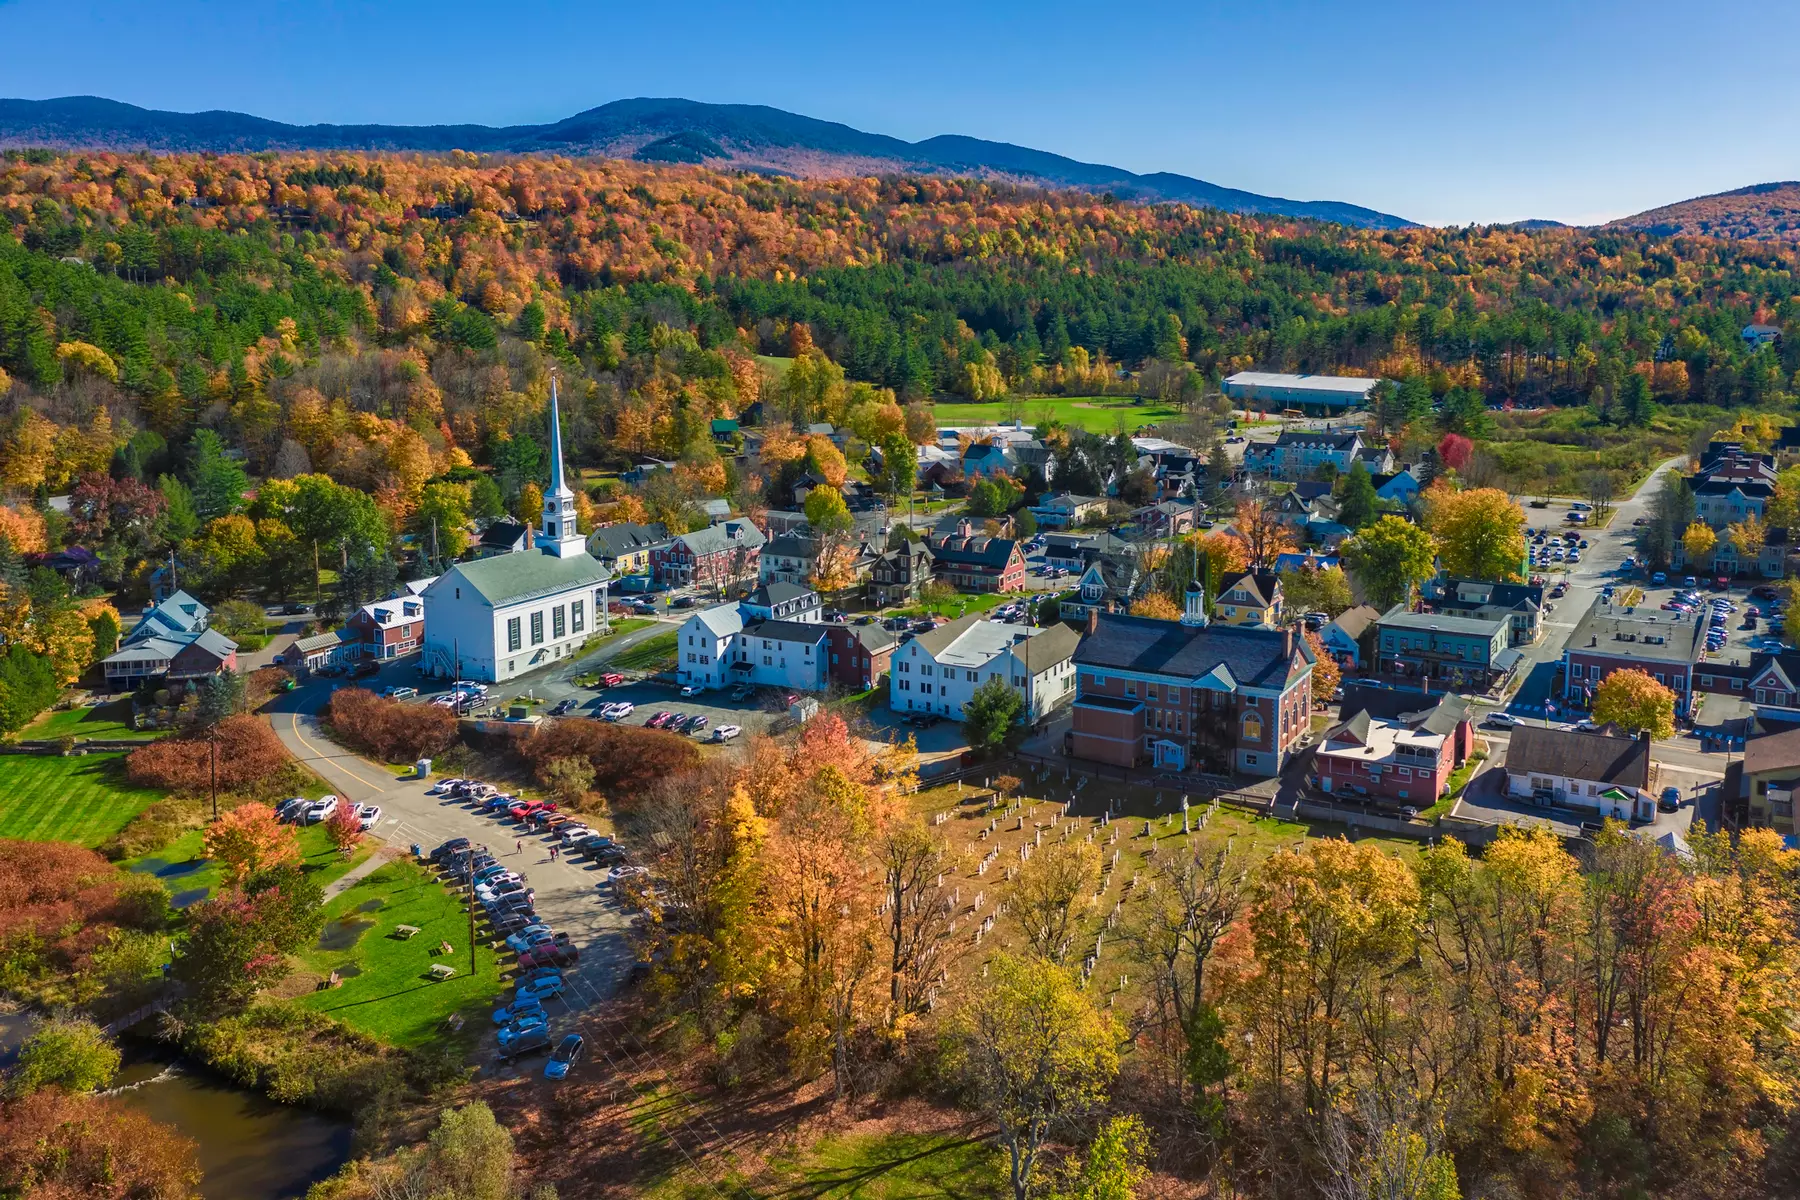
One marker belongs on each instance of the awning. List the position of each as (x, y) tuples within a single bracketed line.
[(1507, 659), (742, 666)]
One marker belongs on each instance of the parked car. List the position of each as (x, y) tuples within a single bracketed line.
[(320, 810), (493, 889), (1670, 800), (573, 832), (534, 934), (542, 990), (519, 1011), (290, 810), (725, 733), (553, 954), (568, 1052), (690, 690), (367, 816), (365, 668), (452, 847), (562, 706), (697, 724), (525, 1040), (1499, 720), (611, 679), (400, 692)]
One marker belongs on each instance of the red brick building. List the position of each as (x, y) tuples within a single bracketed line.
[(1398, 747), (859, 654), (1189, 695), (971, 562), (715, 556), (1664, 645)]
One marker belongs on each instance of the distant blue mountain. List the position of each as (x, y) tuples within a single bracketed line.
[(744, 135)]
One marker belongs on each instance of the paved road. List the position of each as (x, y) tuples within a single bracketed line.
[(567, 897)]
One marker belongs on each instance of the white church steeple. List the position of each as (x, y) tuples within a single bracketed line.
[(559, 534)]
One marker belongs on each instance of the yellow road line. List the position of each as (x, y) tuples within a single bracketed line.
[(314, 750)]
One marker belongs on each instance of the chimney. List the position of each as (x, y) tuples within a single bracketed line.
[(1093, 621), (1288, 637)]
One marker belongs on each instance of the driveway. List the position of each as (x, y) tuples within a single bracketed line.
[(1485, 799)]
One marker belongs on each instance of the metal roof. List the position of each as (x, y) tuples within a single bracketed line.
[(510, 578), (1337, 384)]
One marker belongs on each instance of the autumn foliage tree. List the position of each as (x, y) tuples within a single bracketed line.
[(1634, 701), (1156, 605), (244, 750), (249, 839), (344, 827), (1480, 533), (389, 730)]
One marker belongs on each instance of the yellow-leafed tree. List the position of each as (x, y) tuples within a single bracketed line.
[(1633, 700), (1480, 532)]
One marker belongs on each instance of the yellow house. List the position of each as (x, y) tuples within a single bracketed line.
[(1249, 598), (625, 549)]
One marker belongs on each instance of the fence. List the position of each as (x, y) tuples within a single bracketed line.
[(55, 746)]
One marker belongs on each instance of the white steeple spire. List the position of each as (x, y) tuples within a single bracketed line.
[(559, 535)]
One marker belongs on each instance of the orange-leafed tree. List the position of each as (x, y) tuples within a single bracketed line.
[(1264, 536), (25, 530), (1632, 700), (1326, 673), (249, 839), (1156, 605)]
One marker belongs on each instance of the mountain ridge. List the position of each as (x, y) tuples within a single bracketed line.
[(1762, 212), (748, 135)]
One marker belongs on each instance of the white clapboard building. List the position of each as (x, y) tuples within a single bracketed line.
[(499, 617)]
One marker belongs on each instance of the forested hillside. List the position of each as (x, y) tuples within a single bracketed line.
[(392, 318)]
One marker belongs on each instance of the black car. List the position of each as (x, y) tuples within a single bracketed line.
[(453, 846), (562, 707), (294, 610), (682, 602), (364, 669)]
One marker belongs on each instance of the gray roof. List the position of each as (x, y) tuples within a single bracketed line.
[(1399, 618), (791, 545), (504, 534), (787, 631), (973, 641), (179, 614), (770, 594), (1596, 757), (1339, 384), (1650, 636), (610, 541), (723, 619), (726, 535), (510, 578), (322, 641), (1433, 712), (1249, 656), (1354, 620)]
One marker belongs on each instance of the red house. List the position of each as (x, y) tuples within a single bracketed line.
[(715, 556), (971, 562), (388, 628), (860, 654), (1398, 747)]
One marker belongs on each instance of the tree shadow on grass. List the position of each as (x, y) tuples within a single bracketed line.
[(846, 1181)]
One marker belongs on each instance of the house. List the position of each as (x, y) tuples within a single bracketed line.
[(501, 616), (1249, 598), (1383, 759), (1164, 519), (984, 460), (1606, 771), (789, 558), (716, 556), (1298, 454), (729, 644), (1074, 551), (331, 649), (1401, 487), (1457, 651), (388, 629), (1108, 584), (1760, 335), (1343, 638), (1664, 645), (624, 549), (1519, 603), (896, 576), (1065, 510), (172, 640), (781, 601), (724, 429), (1275, 392), (1189, 694), (860, 654), (938, 672), (972, 563), (1446, 713), (504, 536), (1770, 775)]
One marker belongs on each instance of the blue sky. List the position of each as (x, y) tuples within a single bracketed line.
[(1440, 112)]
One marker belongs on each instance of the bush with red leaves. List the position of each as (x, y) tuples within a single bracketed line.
[(389, 730), (249, 754), (55, 1146), (59, 902), (627, 759)]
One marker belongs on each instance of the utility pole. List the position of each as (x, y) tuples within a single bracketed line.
[(212, 746), (315, 575)]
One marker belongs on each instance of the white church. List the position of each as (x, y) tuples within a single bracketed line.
[(496, 618)]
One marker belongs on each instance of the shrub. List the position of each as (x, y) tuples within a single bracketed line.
[(296, 1056), (626, 759), (72, 1055), (58, 903), (53, 1144), (250, 757), (389, 730)]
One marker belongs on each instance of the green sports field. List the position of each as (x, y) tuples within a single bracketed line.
[(1096, 414), (48, 798)]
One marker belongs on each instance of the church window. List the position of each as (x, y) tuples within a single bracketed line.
[(559, 622), (512, 633), (1253, 727), (537, 628)]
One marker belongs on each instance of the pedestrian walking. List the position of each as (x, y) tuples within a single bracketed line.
[(519, 847)]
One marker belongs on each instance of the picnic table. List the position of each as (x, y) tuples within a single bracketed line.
[(442, 971), (405, 932)]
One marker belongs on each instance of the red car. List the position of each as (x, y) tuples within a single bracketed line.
[(612, 679), (657, 720), (526, 808), (554, 954)]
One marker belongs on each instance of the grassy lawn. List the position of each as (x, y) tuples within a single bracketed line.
[(112, 720), (888, 1166), (387, 990), (190, 877), (620, 627), (49, 798), (775, 363), (651, 654), (1096, 414), (1550, 452), (960, 604)]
